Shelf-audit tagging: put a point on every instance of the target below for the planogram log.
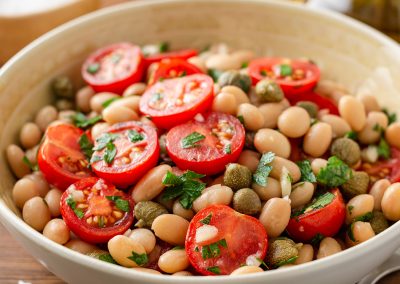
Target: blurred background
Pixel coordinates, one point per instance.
(21, 21)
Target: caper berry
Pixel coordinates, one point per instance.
(62, 87)
(246, 201)
(357, 185)
(235, 78)
(346, 150)
(268, 91)
(282, 251)
(237, 176)
(147, 211)
(310, 107)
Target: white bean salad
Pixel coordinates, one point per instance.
(206, 163)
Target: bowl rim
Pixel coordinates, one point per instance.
(10, 219)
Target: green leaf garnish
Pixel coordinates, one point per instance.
(186, 187)
(262, 263)
(321, 201)
(351, 135)
(80, 120)
(107, 258)
(364, 218)
(263, 72)
(287, 261)
(120, 203)
(140, 259)
(335, 173)
(72, 203)
(110, 153)
(286, 70)
(228, 149)
(392, 117)
(241, 119)
(350, 209)
(163, 46)
(317, 239)
(206, 220)
(306, 171)
(263, 169)
(86, 146)
(350, 232)
(191, 140)
(383, 149)
(214, 269)
(109, 101)
(30, 165)
(244, 65)
(93, 68)
(214, 74)
(135, 136)
(178, 248)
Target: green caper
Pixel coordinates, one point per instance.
(235, 78)
(358, 184)
(282, 251)
(147, 211)
(237, 176)
(62, 87)
(310, 107)
(378, 222)
(246, 201)
(268, 91)
(346, 150)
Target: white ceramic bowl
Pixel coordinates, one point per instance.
(347, 51)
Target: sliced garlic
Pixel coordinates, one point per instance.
(205, 233)
(286, 182)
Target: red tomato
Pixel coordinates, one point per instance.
(176, 101)
(95, 210)
(294, 76)
(60, 158)
(321, 101)
(172, 68)
(137, 152)
(222, 142)
(114, 68)
(325, 221)
(180, 54)
(240, 238)
(386, 169)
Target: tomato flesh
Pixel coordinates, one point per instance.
(114, 68)
(208, 156)
(88, 212)
(245, 237)
(183, 54)
(175, 101)
(60, 158)
(303, 75)
(389, 169)
(326, 221)
(132, 159)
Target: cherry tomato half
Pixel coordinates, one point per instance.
(60, 158)
(176, 101)
(294, 76)
(324, 216)
(125, 152)
(180, 54)
(95, 210)
(240, 239)
(321, 101)
(172, 68)
(114, 68)
(219, 139)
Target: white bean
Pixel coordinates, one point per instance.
(170, 228)
(57, 231)
(216, 194)
(294, 122)
(173, 261)
(145, 237)
(36, 213)
(270, 140)
(353, 111)
(275, 216)
(121, 247)
(30, 135)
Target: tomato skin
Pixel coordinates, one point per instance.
(60, 140)
(123, 176)
(80, 227)
(173, 68)
(180, 54)
(289, 87)
(115, 85)
(206, 158)
(174, 89)
(321, 101)
(326, 221)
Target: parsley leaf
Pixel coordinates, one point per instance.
(317, 239)
(306, 171)
(350, 232)
(33, 167)
(186, 187)
(214, 269)
(163, 46)
(135, 136)
(140, 259)
(191, 140)
(120, 203)
(350, 209)
(110, 153)
(286, 70)
(383, 149)
(241, 119)
(206, 220)
(93, 68)
(287, 261)
(228, 149)
(103, 140)
(72, 203)
(364, 218)
(244, 65)
(335, 173)
(262, 263)
(107, 258)
(392, 117)
(214, 74)
(263, 169)
(178, 248)
(80, 120)
(321, 201)
(109, 101)
(86, 146)
(351, 135)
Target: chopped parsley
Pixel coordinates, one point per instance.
(364, 218)
(140, 259)
(287, 261)
(107, 258)
(86, 146)
(350, 208)
(350, 232)
(262, 263)
(244, 65)
(383, 149)
(318, 203)
(206, 220)
(214, 74)
(72, 203)
(30, 165)
(93, 68)
(351, 135)
(191, 140)
(80, 120)
(110, 153)
(392, 117)
(263, 72)
(214, 269)
(163, 46)
(285, 70)
(335, 173)
(378, 128)
(263, 169)
(241, 119)
(178, 248)
(183, 74)
(103, 140)
(135, 136)
(186, 187)
(228, 149)
(120, 203)
(306, 171)
(106, 141)
(317, 239)
(109, 101)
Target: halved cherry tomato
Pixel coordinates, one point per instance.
(172, 68)
(114, 68)
(176, 101)
(134, 152)
(319, 218)
(385, 169)
(320, 101)
(240, 240)
(294, 76)
(60, 158)
(220, 141)
(180, 54)
(95, 210)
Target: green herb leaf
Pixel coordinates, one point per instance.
(335, 173)
(206, 220)
(244, 65)
(228, 149)
(214, 269)
(378, 128)
(140, 259)
(30, 165)
(317, 239)
(306, 171)
(178, 247)
(163, 46)
(392, 117)
(263, 169)
(110, 153)
(262, 263)
(241, 119)
(120, 203)
(321, 201)
(214, 74)
(350, 208)
(263, 72)
(86, 146)
(103, 140)
(364, 218)
(183, 74)
(93, 68)
(351, 135)
(350, 232)
(80, 120)
(109, 101)
(72, 203)
(95, 159)
(223, 243)
(286, 70)
(186, 187)
(107, 258)
(135, 136)
(191, 140)
(383, 149)
(287, 261)
(213, 250)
